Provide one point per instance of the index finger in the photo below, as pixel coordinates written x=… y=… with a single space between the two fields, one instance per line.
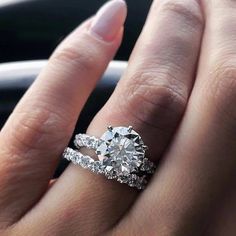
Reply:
x=35 y=135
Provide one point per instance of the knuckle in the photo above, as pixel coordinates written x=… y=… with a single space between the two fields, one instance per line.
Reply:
x=39 y=130
x=84 y=58
x=189 y=10
x=166 y=101
x=164 y=85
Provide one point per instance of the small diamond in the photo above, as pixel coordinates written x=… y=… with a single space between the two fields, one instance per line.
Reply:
x=78 y=141
x=133 y=180
x=123 y=179
x=66 y=154
x=110 y=172
x=84 y=140
x=148 y=166
x=86 y=161
x=96 y=167
x=73 y=157
x=89 y=143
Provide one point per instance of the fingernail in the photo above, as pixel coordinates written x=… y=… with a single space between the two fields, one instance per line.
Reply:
x=109 y=20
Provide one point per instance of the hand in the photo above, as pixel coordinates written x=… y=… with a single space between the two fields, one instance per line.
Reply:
x=190 y=132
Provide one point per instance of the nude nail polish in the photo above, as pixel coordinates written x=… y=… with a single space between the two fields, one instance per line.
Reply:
x=109 y=20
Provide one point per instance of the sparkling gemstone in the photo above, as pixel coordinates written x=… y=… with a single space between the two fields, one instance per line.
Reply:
x=122 y=149
x=86 y=161
x=96 y=167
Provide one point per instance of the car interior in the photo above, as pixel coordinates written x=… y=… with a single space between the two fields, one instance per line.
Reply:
x=29 y=32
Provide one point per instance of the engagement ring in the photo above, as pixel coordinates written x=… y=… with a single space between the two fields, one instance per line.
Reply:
x=120 y=156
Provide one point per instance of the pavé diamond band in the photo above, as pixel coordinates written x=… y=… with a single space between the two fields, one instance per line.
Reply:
x=121 y=156
x=97 y=167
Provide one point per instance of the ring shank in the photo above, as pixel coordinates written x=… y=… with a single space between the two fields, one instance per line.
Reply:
x=97 y=167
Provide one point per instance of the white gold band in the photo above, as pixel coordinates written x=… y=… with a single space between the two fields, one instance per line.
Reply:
x=87 y=162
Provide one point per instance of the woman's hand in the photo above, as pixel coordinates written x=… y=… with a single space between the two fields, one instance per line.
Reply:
x=192 y=192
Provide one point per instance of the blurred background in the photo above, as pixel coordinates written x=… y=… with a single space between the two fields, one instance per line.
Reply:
x=31 y=29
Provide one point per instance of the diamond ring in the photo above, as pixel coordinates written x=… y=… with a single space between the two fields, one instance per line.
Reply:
x=121 y=156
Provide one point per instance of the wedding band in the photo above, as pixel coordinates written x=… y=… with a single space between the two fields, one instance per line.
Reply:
x=121 y=156
x=97 y=167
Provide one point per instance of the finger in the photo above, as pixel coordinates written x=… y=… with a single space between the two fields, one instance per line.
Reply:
x=200 y=166
x=223 y=221
x=151 y=97
x=40 y=127
x=153 y=93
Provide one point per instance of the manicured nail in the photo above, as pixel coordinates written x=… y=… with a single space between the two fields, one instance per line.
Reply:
x=109 y=20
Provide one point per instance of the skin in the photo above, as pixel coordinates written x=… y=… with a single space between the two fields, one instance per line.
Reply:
x=178 y=92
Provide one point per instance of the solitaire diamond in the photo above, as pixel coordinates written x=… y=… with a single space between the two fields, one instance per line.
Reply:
x=121 y=149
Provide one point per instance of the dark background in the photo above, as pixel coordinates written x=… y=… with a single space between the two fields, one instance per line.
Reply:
x=32 y=29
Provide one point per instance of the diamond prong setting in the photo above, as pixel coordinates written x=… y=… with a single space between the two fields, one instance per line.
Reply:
x=110 y=128
x=121 y=156
x=145 y=147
